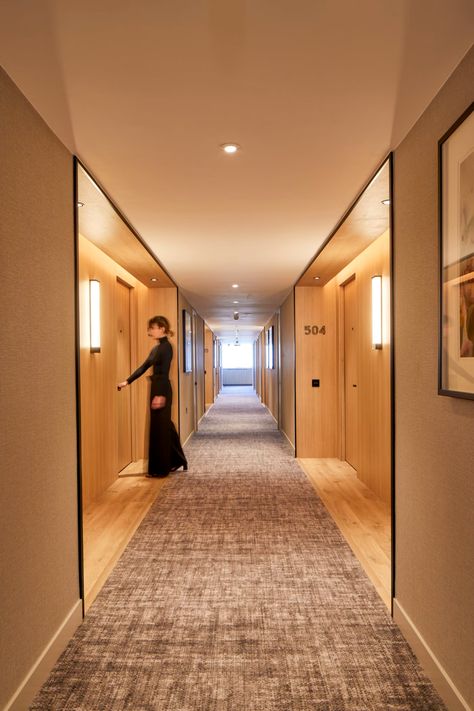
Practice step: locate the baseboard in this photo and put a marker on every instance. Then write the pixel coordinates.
(187, 438)
(39, 672)
(431, 665)
(270, 412)
(289, 440)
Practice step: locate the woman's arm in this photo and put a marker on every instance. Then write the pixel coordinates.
(140, 370)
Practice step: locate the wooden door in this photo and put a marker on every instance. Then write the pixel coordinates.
(351, 402)
(123, 370)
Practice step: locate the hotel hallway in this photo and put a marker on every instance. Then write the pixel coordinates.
(238, 593)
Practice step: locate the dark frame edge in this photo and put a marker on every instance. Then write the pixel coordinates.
(80, 528)
(294, 367)
(393, 520)
(445, 392)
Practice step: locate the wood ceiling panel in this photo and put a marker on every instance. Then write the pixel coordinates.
(101, 224)
(368, 219)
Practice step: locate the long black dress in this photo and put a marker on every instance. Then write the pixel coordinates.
(165, 453)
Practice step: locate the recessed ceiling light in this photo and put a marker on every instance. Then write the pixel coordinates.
(230, 147)
(153, 279)
(386, 201)
(80, 204)
(235, 302)
(235, 286)
(316, 278)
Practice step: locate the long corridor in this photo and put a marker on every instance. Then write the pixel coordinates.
(238, 593)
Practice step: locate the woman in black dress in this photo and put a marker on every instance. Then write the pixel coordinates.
(165, 453)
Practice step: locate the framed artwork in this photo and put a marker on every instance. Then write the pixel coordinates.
(456, 220)
(269, 358)
(187, 342)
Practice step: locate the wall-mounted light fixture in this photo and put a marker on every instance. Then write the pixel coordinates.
(94, 314)
(377, 311)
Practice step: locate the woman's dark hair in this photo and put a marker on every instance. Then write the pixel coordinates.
(161, 322)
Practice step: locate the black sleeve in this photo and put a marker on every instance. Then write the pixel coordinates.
(166, 353)
(143, 367)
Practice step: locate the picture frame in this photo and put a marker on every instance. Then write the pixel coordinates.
(269, 348)
(187, 342)
(456, 249)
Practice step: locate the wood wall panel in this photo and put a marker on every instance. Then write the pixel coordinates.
(320, 411)
(99, 395)
(258, 367)
(316, 358)
(217, 369)
(271, 375)
(199, 380)
(164, 302)
(261, 353)
(287, 365)
(186, 380)
(124, 405)
(208, 366)
(374, 412)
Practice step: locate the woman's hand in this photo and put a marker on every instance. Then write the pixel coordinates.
(158, 402)
(122, 385)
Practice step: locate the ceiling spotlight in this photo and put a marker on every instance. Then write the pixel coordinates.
(235, 286)
(230, 147)
(235, 302)
(80, 204)
(386, 201)
(153, 279)
(316, 278)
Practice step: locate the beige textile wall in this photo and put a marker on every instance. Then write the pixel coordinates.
(38, 525)
(434, 451)
(287, 365)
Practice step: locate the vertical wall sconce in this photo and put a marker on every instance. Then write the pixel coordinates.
(94, 314)
(377, 311)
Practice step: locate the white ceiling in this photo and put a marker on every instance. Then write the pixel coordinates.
(315, 91)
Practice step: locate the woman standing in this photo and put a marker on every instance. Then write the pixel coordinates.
(165, 453)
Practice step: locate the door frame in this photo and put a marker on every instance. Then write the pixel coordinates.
(133, 350)
(340, 349)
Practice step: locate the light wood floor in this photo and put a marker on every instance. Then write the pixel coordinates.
(364, 520)
(110, 522)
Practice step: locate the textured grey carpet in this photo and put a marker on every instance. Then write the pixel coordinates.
(238, 593)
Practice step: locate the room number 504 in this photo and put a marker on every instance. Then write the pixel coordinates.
(315, 330)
